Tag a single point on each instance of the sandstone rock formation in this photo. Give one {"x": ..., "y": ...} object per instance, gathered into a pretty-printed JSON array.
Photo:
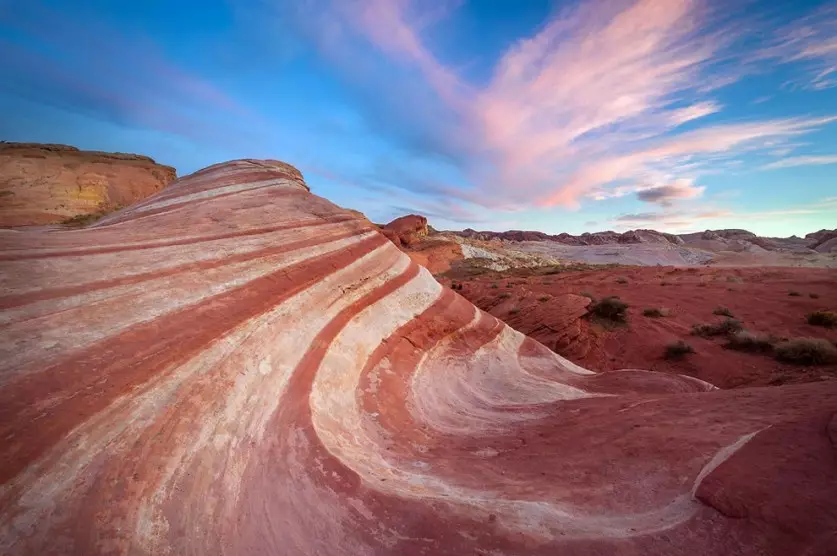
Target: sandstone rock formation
[
  {"x": 46, "y": 184},
  {"x": 237, "y": 366},
  {"x": 823, "y": 241},
  {"x": 406, "y": 230}
]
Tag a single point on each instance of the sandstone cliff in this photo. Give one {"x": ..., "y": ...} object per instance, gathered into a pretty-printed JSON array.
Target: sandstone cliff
[
  {"x": 47, "y": 184},
  {"x": 237, "y": 366}
]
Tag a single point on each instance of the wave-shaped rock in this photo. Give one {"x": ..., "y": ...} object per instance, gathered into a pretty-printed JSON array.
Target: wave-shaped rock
[{"x": 237, "y": 366}]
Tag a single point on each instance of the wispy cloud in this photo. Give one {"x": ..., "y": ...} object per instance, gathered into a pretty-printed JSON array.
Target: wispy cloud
[
  {"x": 130, "y": 82},
  {"x": 594, "y": 105},
  {"x": 801, "y": 161},
  {"x": 811, "y": 41},
  {"x": 665, "y": 195}
]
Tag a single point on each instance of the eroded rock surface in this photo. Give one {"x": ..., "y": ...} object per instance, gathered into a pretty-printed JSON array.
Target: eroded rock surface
[
  {"x": 237, "y": 366},
  {"x": 47, "y": 184}
]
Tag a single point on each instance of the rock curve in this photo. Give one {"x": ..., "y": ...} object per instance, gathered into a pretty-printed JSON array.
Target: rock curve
[{"x": 235, "y": 365}]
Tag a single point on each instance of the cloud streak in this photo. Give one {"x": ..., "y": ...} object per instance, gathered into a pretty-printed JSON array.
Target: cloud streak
[
  {"x": 594, "y": 105},
  {"x": 665, "y": 195},
  {"x": 794, "y": 161}
]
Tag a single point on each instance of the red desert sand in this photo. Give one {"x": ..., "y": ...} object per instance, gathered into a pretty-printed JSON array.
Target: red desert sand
[
  {"x": 552, "y": 309},
  {"x": 237, "y": 366}
]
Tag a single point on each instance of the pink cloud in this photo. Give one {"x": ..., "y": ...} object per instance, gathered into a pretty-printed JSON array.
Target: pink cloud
[{"x": 590, "y": 106}]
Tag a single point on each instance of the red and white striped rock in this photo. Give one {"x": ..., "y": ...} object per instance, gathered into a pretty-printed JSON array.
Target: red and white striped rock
[{"x": 237, "y": 366}]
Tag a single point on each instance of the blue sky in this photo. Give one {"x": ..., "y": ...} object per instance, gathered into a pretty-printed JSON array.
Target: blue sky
[{"x": 679, "y": 115}]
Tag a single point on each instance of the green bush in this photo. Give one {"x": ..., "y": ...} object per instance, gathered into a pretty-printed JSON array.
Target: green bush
[
  {"x": 678, "y": 349},
  {"x": 827, "y": 319},
  {"x": 655, "y": 312},
  {"x": 611, "y": 308},
  {"x": 724, "y": 328},
  {"x": 807, "y": 351},
  {"x": 750, "y": 341}
]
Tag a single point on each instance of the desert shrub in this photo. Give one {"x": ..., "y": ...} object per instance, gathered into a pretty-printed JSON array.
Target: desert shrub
[
  {"x": 750, "y": 341},
  {"x": 456, "y": 286},
  {"x": 543, "y": 298},
  {"x": 678, "y": 349},
  {"x": 735, "y": 279},
  {"x": 621, "y": 280},
  {"x": 723, "y": 328},
  {"x": 504, "y": 295},
  {"x": 703, "y": 285},
  {"x": 827, "y": 319},
  {"x": 494, "y": 286},
  {"x": 794, "y": 293},
  {"x": 814, "y": 295},
  {"x": 655, "y": 312},
  {"x": 807, "y": 351},
  {"x": 611, "y": 308},
  {"x": 587, "y": 294},
  {"x": 514, "y": 311},
  {"x": 664, "y": 283},
  {"x": 722, "y": 311}
]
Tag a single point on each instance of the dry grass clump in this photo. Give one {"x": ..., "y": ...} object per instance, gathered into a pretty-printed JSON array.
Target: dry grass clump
[
  {"x": 828, "y": 319},
  {"x": 655, "y": 312},
  {"x": 754, "y": 342},
  {"x": 611, "y": 308},
  {"x": 807, "y": 351},
  {"x": 621, "y": 280},
  {"x": 722, "y": 311},
  {"x": 725, "y": 327},
  {"x": 678, "y": 350}
]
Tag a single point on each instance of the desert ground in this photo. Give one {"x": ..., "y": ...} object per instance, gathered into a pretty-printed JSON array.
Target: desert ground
[{"x": 764, "y": 300}]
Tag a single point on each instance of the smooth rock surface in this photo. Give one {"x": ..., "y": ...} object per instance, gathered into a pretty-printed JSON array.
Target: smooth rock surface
[
  {"x": 237, "y": 366},
  {"x": 46, "y": 184}
]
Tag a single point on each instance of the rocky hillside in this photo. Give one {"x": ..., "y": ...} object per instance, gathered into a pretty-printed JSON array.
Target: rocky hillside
[
  {"x": 47, "y": 184},
  {"x": 263, "y": 372},
  {"x": 597, "y": 238},
  {"x": 712, "y": 240}
]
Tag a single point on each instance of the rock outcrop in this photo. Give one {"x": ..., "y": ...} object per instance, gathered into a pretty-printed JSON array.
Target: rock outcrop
[
  {"x": 47, "y": 184},
  {"x": 237, "y": 366},
  {"x": 406, "y": 230},
  {"x": 587, "y": 238},
  {"x": 823, "y": 241}
]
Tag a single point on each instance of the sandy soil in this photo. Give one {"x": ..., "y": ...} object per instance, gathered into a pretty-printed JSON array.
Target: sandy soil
[{"x": 759, "y": 297}]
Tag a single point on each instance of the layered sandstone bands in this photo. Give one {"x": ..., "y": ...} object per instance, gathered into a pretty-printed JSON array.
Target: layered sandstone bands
[
  {"x": 47, "y": 184},
  {"x": 237, "y": 366}
]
